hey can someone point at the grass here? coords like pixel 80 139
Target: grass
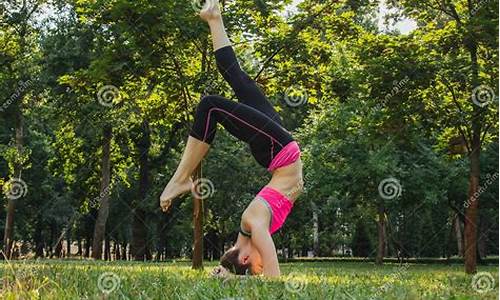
pixel 56 279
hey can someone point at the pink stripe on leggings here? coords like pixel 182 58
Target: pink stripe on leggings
pixel 242 121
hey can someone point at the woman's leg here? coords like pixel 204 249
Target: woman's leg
pixel 242 121
pixel 181 180
pixel 244 87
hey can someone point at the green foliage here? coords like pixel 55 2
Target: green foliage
pixel 175 280
pixel 377 106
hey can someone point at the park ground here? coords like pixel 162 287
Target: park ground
pixel 57 279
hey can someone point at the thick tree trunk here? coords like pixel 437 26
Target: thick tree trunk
pixel 470 228
pixel 381 235
pixel 138 247
pixel 471 210
pixel 198 226
pixel 102 217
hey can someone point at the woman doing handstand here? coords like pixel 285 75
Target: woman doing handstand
pixel 254 121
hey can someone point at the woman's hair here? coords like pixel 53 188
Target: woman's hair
pixel 231 262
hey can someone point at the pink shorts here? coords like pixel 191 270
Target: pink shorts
pixel 288 155
pixel 279 207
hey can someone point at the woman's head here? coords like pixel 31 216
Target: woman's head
pixel 242 260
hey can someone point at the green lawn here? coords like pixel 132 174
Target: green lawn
pixel 175 280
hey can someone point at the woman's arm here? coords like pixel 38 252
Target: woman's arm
pixel 211 14
pixel 263 241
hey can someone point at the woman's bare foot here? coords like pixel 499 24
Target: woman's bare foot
pixel 173 190
pixel 210 11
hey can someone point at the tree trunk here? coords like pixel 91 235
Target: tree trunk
pixel 9 220
pixel 117 251
pixel 381 235
pixel 39 243
pixel 102 217
pixel 107 251
pixel 58 249
pixel 458 235
pixel 161 232
pixel 87 248
pixel 68 242
pixel 315 229
pixel 138 247
pixel 124 251
pixel 471 210
pixel 80 250
pixel 482 240
pixel 198 225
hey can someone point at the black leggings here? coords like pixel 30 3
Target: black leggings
pixel 252 119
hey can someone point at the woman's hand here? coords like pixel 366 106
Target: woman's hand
pixel 220 272
pixel 210 11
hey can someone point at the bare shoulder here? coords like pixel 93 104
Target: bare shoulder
pixel 256 214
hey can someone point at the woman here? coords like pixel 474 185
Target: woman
pixel 254 121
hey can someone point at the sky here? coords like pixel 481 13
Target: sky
pixel 404 26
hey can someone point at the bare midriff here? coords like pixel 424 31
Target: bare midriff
pixel 288 180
